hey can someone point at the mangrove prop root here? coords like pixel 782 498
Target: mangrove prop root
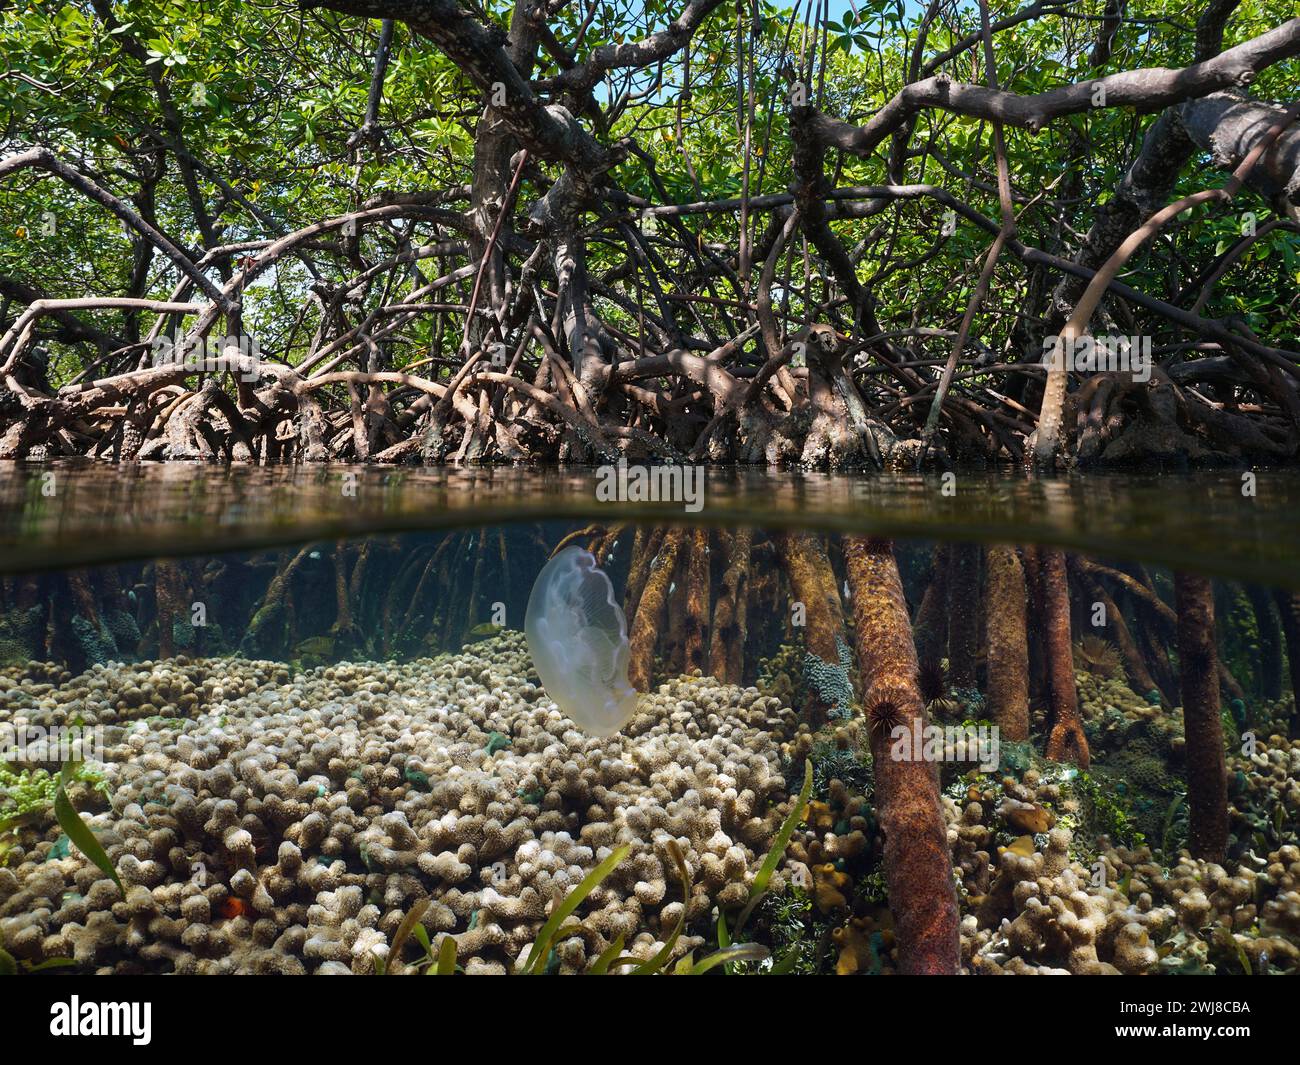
pixel 343 626
pixel 1207 774
pixel 1230 684
pixel 697 601
pixel 812 583
pixel 417 596
pixel 269 622
pixel 587 535
pixel 169 593
pixel 963 613
pixel 727 650
pixel 395 588
pixel 603 544
pixel 645 547
pixel 1154 650
pixel 1270 641
pixel 932 615
pixel 1031 561
pixel 1066 742
pixel 1135 663
pixel 672 648
pixel 1008 650
pixel 650 610
pixel 1288 609
pixel 918 865
pixel 476 582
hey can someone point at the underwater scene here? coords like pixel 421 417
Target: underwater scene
pixel 657 745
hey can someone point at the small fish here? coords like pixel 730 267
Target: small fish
pixel 233 907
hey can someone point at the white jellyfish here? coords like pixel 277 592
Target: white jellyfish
pixel 577 635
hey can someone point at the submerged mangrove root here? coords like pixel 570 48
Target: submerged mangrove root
pixel 1135 664
pixel 169 594
pixel 651 607
pixel 918 865
pixel 1066 741
pixel 1288 609
pixel 645 547
pixel 270 624
pixel 931 628
pixel 584 538
pixel 812 585
pixel 1008 646
pixel 727 649
pixel 1207 774
pixel 697 601
pixel 963 613
pixel 1031 560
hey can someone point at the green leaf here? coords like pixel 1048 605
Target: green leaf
pixel 404 930
pixel 51 963
pixel 665 952
pixel 779 844
pixel 536 960
pixel 607 957
pixel 446 957
pixel 782 840
pixel 77 830
pixel 740 952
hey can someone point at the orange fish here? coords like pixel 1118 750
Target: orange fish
pixel 234 907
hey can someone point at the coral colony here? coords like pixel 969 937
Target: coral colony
pixel 515 487
pixel 695 726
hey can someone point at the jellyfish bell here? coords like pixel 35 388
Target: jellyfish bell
pixel 577 636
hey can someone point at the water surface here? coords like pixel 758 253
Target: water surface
pixel 83 513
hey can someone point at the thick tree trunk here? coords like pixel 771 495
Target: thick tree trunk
pixel 918 866
pixel 1008 644
pixel 1207 775
pixel 1031 559
pixel 1066 742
